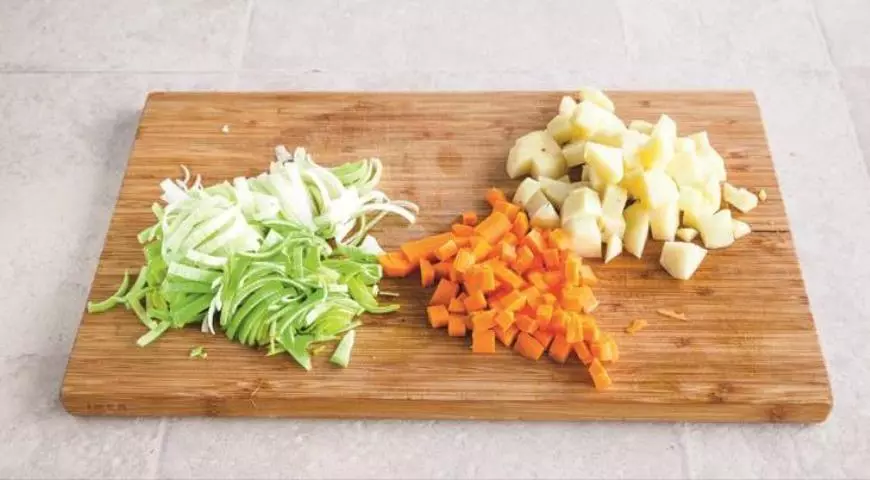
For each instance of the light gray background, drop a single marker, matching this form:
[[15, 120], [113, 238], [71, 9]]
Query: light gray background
[[73, 76]]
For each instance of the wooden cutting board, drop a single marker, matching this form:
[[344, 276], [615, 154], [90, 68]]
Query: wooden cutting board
[[748, 351]]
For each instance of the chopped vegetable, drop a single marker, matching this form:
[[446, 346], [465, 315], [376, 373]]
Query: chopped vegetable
[[341, 355], [671, 314], [635, 326], [198, 352]]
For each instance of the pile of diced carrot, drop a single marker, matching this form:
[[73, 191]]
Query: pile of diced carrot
[[503, 279]]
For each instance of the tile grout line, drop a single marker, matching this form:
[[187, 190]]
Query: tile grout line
[[161, 440]]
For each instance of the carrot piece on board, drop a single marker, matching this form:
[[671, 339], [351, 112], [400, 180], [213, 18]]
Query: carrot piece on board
[[513, 301], [483, 341], [573, 328], [553, 279], [607, 351], [462, 242], [548, 299], [551, 259], [571, 270], [442, 269], [487, 279], [537, 279], [506, 336], [559, 239], [509, 209], [511, 239], [475, 301], [447, 250], [582, 351], [591, 332], [599, 375], [635, 326], [493, 227], [560, 349], [588, 276], [495, 195], [525, 259], [526, 324], [543, 313], [462, 230], [528, 346], [520, 228], [456, 326], [484, 320], [535, 240], [424, 247], [456, 305], [508, 276], [504, 319], [444, 292], [396, 264], [469, 218], [480, 249], [571, 299], [427, 273], [463, 261], [438, 316], [558, 321], [507, 252], [544, 338], [533, 296]]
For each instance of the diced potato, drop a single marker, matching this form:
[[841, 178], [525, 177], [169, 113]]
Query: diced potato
[[555, 190], [581, 202], [548, 165], [717, 230], [585, 236], [574, 153], [584, 174], [597, 97], [596, 181], [741, 198], [681, 259], [527, 148], [664, 221], [740, 229], [536, 202], [702, 141], [564, 179], [614, 200], [686, 169], [614, 248], [713, 164], [636, 229], [659, 150], [612, 225], [590, 118], [762, 195], [567, 106], [545, 217], [658, 189], [712, 195], [606, 161], [641, 126], [685, 145], [562, 128], [691, 199], [528, 187], [611, 138], [687, 234], [632, 182]]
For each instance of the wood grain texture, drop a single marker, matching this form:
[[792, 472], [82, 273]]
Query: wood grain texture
[[748, 352]]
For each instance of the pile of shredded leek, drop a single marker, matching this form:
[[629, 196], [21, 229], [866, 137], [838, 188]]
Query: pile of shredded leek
[[283, 260]]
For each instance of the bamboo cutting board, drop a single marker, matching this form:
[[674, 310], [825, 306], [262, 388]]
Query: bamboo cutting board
[[748, 351]]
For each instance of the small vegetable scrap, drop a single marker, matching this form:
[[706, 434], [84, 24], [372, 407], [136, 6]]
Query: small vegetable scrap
[[283, 260], [198, 352], [671, 314], [636, 326], [507, 281]]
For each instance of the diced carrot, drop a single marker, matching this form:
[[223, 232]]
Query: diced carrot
[[558, 321], [537, 280], [462, 242], [544, 338], [548, 299], [571, 269], [469, 325], [535, 241], [559, 239], [444, 292], [504, 319], [510, 238], [424, 247], [456, 326], [607, 349], [582, 351], [462, 230], [427, 273], [396, 264], [551, 259], [447, 250], [493, 227], [573, 328], [533, 296], [483, 341], [508, 276], [463, 261], [525, 258], [454, 275], [438, 316], [475, 301], [513, 301], [487, 279], [553, 280], [571, 299], [588, 276], [526, 324], [506, 336], [591, 333], [507, 252], [543, 314], [442, 269], [599, 375], [456, 305], [480, 248], [528, 346], [521, 225], [509, 209], [494, 195], [469, 218], [483, 320], [560, 349]]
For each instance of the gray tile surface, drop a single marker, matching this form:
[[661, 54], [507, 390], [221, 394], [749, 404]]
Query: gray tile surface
[[64, 139]]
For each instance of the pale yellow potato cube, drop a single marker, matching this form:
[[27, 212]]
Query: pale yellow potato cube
[[681, 259], [606, 161]]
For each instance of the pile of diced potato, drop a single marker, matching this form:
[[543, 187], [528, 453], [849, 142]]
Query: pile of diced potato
[[637, 180]]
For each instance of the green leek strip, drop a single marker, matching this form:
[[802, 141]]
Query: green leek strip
[[361, 294], [153, 334], [114, 300], [341, 356]]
